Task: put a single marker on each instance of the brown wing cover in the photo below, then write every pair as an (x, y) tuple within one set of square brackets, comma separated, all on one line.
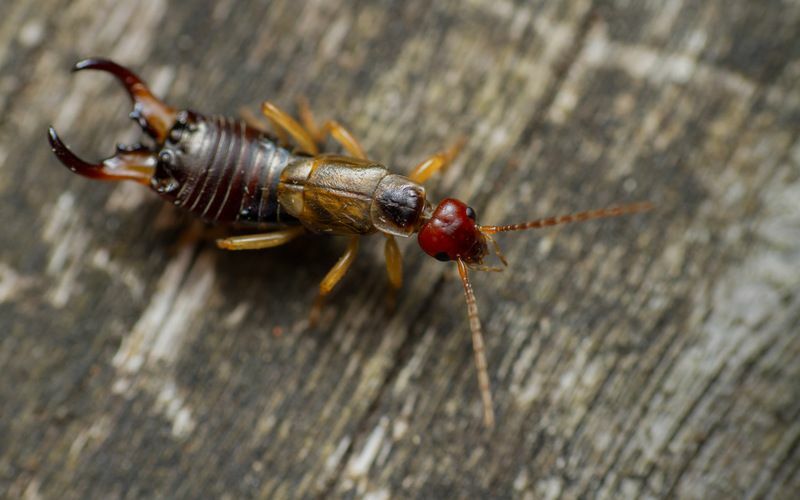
[(331, 194)]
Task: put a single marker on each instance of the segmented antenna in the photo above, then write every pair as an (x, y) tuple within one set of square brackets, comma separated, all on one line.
[(477, 346), (566, 219)]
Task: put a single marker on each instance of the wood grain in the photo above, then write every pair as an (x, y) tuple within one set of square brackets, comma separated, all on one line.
[(646, 356)]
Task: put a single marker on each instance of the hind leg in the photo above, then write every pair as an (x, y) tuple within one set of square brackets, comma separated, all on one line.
[(260, 240), (257, 123), (331, 127), (283, 121)]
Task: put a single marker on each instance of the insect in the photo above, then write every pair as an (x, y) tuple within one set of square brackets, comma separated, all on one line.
[(232, 171)]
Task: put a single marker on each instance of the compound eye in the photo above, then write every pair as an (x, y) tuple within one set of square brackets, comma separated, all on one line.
[(442, 256), (471, 213)]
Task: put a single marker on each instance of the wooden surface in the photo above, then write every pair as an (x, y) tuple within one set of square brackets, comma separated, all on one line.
[(646, 356)]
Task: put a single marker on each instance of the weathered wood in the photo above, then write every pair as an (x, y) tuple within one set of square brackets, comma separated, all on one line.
[(652, 355)]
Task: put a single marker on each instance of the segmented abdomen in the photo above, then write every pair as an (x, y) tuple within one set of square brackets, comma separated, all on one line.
[(233, 172)]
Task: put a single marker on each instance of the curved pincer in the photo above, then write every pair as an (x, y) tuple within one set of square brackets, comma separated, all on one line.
[(135, 163), (155, 117), (129, 163)]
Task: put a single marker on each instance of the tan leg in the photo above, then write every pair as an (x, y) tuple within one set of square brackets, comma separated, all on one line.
[(261, 240), (333, 277), (394, 262), (290, 125), (257, 123), (332, 127), (307, 118), (394, 267), (344, 137), (197, 232), (439, 161)]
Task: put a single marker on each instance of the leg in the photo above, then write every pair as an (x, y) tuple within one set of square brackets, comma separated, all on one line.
[(262, 240), (343, 137), (257, 123), (290, 125), (332, 127), (198, 232), (439, 161), (394, 266), (333, 277)]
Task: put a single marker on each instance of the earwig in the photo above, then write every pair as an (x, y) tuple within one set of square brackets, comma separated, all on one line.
[(232, 171)]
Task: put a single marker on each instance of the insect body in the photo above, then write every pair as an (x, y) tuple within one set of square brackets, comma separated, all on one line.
[(230, 171)]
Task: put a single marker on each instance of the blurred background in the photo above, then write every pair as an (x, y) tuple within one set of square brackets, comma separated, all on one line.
[(652, 355)]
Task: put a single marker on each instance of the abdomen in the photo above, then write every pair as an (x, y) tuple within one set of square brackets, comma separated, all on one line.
[(226, 171)]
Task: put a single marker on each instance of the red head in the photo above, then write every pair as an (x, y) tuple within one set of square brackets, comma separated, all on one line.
[(452, 233)]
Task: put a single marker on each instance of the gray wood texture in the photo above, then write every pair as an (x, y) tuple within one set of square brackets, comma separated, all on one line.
[(646, 356)]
